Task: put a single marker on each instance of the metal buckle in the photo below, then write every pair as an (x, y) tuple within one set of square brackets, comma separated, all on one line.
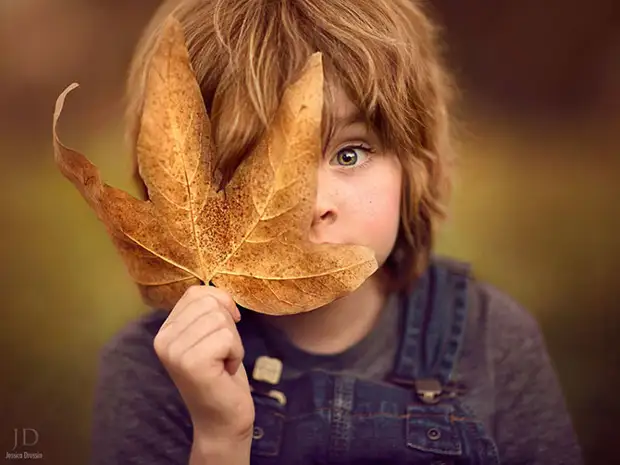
[(267, 369), (276, 395), (428, 390)]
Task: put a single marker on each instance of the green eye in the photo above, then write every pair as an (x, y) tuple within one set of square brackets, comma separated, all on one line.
[(352, 157), (347, 157)]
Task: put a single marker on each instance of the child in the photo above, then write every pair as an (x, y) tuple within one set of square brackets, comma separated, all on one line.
[(422, 363)]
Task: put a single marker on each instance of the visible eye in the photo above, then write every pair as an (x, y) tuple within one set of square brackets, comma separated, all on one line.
[(349, 156)]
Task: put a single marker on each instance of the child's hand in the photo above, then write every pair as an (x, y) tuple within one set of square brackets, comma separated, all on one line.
[(200, 347)]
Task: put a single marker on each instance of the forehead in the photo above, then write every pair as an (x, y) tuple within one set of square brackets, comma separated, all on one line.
[(339, 110), (340, 106)]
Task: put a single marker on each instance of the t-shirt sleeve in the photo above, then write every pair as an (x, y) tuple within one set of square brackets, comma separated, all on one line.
[(532, 423), (138, 414)]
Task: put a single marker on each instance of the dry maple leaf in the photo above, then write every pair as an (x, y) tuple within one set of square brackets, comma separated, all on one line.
[(249, 239)]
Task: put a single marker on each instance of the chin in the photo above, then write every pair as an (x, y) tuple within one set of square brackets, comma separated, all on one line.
[(334, 242)]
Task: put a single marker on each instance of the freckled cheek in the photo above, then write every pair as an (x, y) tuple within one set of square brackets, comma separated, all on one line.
[(382, 208), (376, 216)]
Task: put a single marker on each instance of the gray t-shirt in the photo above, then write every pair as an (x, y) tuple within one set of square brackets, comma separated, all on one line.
[(140, 418), (371, 358)]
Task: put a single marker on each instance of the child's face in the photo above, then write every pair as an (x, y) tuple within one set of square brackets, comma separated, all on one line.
[(358, 196)]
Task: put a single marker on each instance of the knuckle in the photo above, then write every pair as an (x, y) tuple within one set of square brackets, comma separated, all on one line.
[(228, 337), (207, 301), (157, 346), (225, 297), (194, 291), (172, 352), (160, 343), (187, 361), (219, 319), (201, 305)]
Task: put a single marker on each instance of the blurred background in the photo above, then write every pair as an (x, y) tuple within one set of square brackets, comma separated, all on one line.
[(536, 208)]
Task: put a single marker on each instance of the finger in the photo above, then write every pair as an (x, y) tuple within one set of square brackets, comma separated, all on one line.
[(179, 322), (191, 293), (196, 292), (205, 325), (222, 348), (227, 301), (187, 310), (231, 365)]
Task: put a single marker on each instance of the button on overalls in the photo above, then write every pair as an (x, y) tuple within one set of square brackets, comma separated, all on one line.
[(416, 416)]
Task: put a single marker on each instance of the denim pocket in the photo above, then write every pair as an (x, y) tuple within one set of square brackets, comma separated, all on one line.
[(430, 428), (268, 426)]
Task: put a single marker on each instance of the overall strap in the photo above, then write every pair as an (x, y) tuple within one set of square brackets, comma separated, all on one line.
[(434, 327), (254, 343), (264, 371)]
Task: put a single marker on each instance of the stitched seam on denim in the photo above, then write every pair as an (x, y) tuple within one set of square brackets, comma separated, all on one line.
[(385, 415), (340, 434), (429, 317), (408, 355), (458, 312)]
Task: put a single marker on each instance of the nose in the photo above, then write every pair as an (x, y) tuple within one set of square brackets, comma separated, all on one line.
[(325, 211)]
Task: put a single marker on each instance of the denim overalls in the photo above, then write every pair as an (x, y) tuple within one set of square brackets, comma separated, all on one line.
[(414, 417)]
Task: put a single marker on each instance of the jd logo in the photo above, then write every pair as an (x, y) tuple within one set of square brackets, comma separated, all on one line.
[(24, 437)]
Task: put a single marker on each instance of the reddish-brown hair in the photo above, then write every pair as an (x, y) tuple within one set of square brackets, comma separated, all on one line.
[(383, 53)]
